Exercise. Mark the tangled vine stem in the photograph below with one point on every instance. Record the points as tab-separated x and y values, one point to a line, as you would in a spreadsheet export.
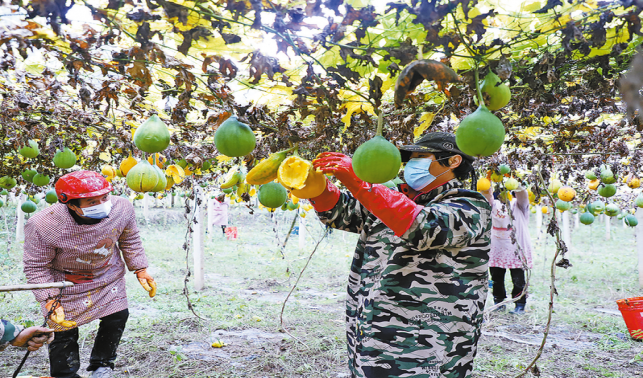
283	306
560	250
186	247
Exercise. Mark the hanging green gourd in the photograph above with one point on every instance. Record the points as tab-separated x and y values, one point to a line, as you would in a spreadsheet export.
378	160
64	158
152	136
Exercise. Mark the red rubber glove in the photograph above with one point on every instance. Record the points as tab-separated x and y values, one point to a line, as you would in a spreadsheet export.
393	208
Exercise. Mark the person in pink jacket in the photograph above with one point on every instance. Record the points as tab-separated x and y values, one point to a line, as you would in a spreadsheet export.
504	253
84	239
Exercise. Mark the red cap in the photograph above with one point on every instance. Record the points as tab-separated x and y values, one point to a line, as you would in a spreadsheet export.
81	184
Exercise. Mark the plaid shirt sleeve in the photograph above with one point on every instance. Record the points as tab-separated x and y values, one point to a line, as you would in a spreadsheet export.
130	243
37	257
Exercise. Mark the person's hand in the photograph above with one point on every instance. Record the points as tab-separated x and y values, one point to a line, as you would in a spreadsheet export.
33	338
341	166
58	315
146	281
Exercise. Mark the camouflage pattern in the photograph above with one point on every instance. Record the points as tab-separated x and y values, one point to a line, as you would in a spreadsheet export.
414	304
8	332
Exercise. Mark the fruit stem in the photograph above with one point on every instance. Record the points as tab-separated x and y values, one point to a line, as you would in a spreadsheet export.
380	123
478	89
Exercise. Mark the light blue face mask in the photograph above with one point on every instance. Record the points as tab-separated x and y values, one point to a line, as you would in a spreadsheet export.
417	175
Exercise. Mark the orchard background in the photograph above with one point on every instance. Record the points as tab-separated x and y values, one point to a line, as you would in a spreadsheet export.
314	75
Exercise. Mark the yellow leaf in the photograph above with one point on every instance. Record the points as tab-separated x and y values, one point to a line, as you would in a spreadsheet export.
532	6
426	120
176	172
105	156
355	107
224	159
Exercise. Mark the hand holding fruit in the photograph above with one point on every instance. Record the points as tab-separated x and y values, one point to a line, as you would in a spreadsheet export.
339	165
58	314
146	281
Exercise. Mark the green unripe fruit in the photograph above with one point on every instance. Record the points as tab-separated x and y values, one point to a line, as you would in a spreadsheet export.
28	174
65	159
234	138
511	184
40	179
51	197
272	195
504	169
499	94
377	161
28	207
586	218
31	150
563	205
612	210
590	175
639	201
480	133
607	177
7	182
606	190
152	136
631	220
142	177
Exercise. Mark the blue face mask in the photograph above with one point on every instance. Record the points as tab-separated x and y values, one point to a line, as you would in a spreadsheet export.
417	175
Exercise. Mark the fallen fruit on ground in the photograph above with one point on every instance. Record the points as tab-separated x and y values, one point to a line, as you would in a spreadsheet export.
480	133
234	138
152	136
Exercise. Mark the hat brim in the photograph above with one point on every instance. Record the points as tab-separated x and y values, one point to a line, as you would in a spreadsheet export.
406	151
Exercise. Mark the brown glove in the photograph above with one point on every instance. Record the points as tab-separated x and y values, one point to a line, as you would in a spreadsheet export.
146	281
58	315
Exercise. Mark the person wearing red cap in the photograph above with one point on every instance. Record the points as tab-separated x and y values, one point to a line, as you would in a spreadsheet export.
84	239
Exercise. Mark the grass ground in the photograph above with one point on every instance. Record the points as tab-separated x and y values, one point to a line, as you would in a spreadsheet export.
248	279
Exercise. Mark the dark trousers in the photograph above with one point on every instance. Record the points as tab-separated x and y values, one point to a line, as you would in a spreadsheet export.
498	278
64	357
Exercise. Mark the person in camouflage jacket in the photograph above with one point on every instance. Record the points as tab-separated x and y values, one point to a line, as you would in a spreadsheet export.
33	337
418	279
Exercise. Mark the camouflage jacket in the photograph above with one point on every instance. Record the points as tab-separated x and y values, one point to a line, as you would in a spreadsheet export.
8	332
415	302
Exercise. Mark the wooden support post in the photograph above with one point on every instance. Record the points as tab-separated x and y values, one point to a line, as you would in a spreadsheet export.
20	223
210	216
146	210
197	242
539	221
608	224
577	221
302	232
639	243
566	230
